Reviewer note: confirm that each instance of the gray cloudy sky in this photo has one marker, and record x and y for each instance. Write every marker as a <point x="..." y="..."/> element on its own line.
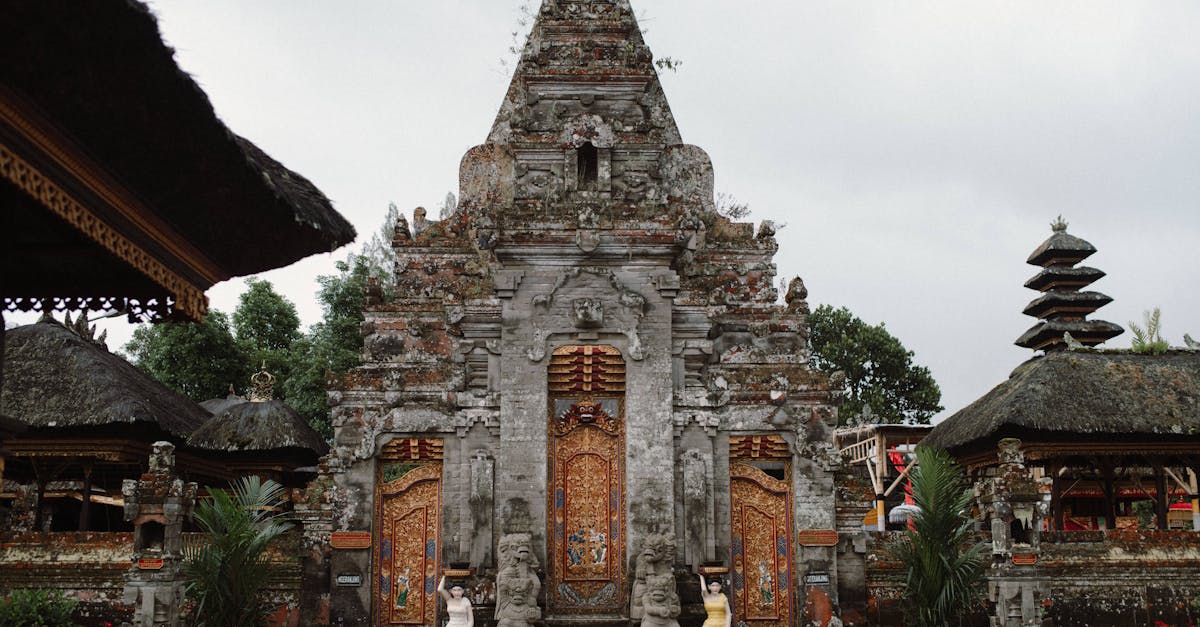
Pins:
<point x="916" y="150"/>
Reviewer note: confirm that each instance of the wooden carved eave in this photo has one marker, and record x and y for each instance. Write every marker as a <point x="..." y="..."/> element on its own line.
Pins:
<point x="129" y="452"/>
<point x="58" y="175"/>
<point x="121" y="451"/>
<point x="1050" y="452"/>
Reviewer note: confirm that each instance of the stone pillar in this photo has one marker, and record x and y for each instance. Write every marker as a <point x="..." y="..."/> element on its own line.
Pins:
<point x="157" y="505"/>
<point x="697" y="507"/>
<point x="481" y="502"/>
<point x="1017" y="584"/>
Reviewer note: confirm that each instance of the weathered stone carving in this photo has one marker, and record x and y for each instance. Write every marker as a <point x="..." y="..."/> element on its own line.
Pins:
<point x="633" y="304"/>
<point x="157" y="505"/>
<point x="517" y="585"/>
<point x="660" y="604"/>
<point x="588" y="313"/>
<point x="654" y="563"/>
<point x="419" y="222"/>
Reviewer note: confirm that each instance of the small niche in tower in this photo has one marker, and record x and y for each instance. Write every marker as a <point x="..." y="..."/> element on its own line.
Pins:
<point x="149" y="536"/>
<point x="589" y="167"/>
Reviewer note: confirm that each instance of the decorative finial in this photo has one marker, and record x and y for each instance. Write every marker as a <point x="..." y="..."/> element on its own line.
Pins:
<point x="263" y="385"/>
<point x="83" y="328"/>
<point x="1059" y="225"/>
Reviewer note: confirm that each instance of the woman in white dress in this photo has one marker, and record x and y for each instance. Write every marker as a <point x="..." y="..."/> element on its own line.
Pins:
<point x="458" y="606"/>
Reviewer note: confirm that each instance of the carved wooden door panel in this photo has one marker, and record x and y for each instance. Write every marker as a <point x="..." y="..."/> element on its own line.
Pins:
<point x="762" y="560"/>
<point x="408" y="524"/>
<point x="587" y="480"/>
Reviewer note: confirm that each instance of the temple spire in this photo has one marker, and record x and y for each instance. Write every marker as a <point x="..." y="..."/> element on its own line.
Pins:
<point x="1063" y="308"/>
<point x="584" y="59"/>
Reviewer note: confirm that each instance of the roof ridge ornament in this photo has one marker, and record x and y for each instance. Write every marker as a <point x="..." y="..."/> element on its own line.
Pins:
<point x="262" y="385"/>
<point x="1059" y="225"/>
<point x="81" y="327"/>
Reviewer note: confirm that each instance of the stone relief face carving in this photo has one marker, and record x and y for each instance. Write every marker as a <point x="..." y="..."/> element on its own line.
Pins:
<point x="589" y="218"/>
<point x="588" y="313"/>
<point x="544" y="184"/>
<point x="1010" y="451"/>
<point x="515" y="549"/>
<point x="627" y="318"/>
<point x="587" y="129"/>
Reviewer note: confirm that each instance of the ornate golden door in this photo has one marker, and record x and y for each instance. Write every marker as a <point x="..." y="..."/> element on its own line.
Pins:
<point x="587" y="479"/>
<point x="760" y="494"/>
<point x="408" y="522"/>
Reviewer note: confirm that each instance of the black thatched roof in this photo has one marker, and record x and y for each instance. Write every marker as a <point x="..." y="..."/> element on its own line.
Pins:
<point x="101" y="72"/>
<point x="1084" y="395"/>
<point x="218" y="406"/>
<point x="1062" y="247"/>
<point x="53" y="378"/>
<point x="256" y="426"/>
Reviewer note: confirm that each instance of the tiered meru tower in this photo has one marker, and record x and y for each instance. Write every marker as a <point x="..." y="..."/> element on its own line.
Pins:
<point x="586" y="353"/>
<point x="1063" y="309"/>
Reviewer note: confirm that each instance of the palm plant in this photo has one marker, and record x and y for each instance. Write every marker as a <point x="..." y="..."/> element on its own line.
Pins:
<point x="944" y="569"/>
<point x="227" y="568"/>
<point x="1148" y="340"/>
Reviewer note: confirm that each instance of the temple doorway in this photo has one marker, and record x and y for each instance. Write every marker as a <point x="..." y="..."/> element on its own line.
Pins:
<point x="586" y="547"/>
<point x="408" y="522"/>
<point x="760" y="493"/>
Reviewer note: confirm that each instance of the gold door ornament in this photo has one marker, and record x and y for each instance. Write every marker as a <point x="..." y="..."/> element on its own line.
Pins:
<point x="587" y="481"/>
<point x="762" y="553"/>
<point x="408" y="523"/>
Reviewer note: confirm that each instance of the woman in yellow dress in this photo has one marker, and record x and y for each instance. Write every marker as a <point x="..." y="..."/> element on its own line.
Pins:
<point x="715" y="604"/>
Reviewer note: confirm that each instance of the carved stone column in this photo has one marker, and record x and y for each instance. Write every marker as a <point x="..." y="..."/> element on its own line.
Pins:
<point x="1017" y="585"/>
<point x="157" y="505"/>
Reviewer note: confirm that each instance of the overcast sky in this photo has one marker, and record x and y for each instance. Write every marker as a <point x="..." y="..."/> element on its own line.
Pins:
<point x="917" y="151"/>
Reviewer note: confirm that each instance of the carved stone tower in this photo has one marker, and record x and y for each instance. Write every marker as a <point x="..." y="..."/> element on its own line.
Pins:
<point x="587" y="353"/>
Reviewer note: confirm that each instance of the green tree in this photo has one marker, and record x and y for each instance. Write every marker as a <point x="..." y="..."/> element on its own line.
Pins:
<point x="227" y="568"/>
<point x="944" y="569"/>
<point x="198" y="360"/>
<point x="335" y="344"/>
<point x="449" y="206"/>
<point x="332" y="345"/>
<point x="264" y="319"/>
<point x="267" y="326"/>
<point x="882" y="383"/>
<point x="378" y="250"/>
<point x="30" y="608"/>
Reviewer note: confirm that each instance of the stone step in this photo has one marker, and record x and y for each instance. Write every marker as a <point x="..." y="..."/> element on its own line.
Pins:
<point x="604" y="620"/>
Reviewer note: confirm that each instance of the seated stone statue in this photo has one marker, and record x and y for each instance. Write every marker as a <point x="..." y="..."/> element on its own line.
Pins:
<point x="657" y="558"/>
<point x="517" y="583"/>
<point x="660" y="603"/>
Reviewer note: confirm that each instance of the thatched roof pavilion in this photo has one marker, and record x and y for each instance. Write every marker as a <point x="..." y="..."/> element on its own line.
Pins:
<point x="1105" y="428"/>
<point x="1102" y="397"/>
<point x="264" y="437"/>
<point x="89" y="414"/>
<point x="119" y="186"/>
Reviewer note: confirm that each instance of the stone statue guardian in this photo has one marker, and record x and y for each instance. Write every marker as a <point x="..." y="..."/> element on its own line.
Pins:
<point x="517" y="583"/>
<point x="654" y="600"/>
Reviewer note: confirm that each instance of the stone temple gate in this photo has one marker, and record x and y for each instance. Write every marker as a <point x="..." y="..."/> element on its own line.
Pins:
<point x="587" y="353"/>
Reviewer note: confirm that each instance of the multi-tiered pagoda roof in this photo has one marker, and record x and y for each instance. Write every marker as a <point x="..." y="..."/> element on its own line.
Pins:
<point x="1063" y="308"/>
